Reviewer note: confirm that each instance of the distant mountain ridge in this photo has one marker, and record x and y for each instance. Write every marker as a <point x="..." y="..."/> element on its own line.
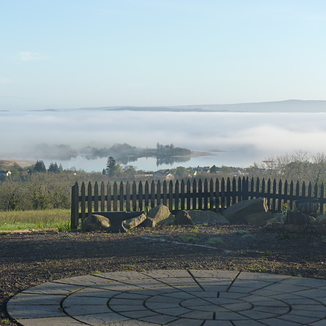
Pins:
<point x="276" y="106"/>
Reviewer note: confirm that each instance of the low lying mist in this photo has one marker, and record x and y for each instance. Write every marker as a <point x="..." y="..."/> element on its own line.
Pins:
<point x="250" y="136"/>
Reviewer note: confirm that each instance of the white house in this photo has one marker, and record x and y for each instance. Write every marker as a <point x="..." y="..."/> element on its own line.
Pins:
<point x="166" y="175"/>
<point x="4" y="173"/>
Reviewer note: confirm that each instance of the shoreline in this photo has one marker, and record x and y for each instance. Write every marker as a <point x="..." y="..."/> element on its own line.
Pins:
<point x="20" y="162"/>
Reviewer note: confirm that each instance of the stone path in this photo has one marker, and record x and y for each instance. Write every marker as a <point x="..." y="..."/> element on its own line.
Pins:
<point x="174" y="298"/>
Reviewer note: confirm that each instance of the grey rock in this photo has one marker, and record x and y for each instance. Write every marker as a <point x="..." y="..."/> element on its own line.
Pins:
<point x="95" y="222"/>
<point x="321" y="219"/>
<point x="307" y="206"/>
<point x="199" y="217"/>
<point x="298" y="218"/>
<point x="183" y="218"/>
<point x="259" y="219"/>
<point x="134" y="222"/>
<point x="237" y="213"/>
<point x="168" y="221"/>
<point x="156" y="216"/>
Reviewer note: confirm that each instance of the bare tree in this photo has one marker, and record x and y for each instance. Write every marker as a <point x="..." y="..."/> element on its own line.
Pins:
<point x="298" y="166"/>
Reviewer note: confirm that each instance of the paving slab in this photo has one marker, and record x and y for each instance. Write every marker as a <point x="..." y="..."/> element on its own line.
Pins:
<point x="174" y="298"/>
<point x="53" y="321"/>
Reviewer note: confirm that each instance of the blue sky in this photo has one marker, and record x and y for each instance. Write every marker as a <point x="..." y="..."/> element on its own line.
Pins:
<point x="58" y="54"/>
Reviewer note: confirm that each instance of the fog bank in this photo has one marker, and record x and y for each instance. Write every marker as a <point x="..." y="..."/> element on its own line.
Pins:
<point x="249" y="136"/>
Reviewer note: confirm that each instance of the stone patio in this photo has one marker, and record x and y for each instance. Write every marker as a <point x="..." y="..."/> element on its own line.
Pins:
<point x="175" y="298"/>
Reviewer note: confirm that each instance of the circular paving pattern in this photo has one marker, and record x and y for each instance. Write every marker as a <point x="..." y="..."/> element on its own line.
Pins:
<point x="173" y="297"/>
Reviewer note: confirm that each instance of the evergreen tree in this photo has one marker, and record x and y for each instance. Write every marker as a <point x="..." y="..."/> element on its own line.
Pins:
<point x="54" y="168"/>
<point x="213" y="169"/>
<point x="111" y="167"/>
<point x="39" y="167"/>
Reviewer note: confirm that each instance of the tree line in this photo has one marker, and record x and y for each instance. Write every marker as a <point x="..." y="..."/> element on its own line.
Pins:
<point x="37" y="187"/>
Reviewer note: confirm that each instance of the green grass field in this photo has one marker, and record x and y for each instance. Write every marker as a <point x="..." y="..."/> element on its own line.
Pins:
<point x="51" y="218"/>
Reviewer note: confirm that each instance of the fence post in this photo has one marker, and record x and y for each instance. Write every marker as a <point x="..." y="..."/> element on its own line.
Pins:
<point x="291" y="195"/>
<point x="200" y="194"/>
<point x="83" y="200"/>
<point x="303" y="193"/>
<point x="239" y="187"/>
<point x="188" y="194"/>
<point x="170" y="195"/>
<point x="285" y="191"/>
<point x="134" y="196"/>
<point x="212" y="205"/>
<point x="165" y="193"/>
<point x="140" y="196"/>
<point x="234" y="190"/>
<point x="96" y="196"/>
<point x="182" y="195"/>
<point x="146" y="195"/>
<point x="115" y="196"/>
<point x="245" y="188"/>
<point x="121" y="196"/>
<point x="89" y="199"/>
<point x="159" y="191"/>
<point x="217" y="198"/>
<point x="257" y="190"/>
<point x="102" y="196"/>
<point x="206" y="195"/>
<point x="108" y="203"/>
<point x="74" y="206"/>
<point x="176" y="197"/>
<point x="127" y="196"/>
<point x="322" y="190"/>
<point x="152" y="194"/>
<point x="279" y="195"/>
<point x="310" y="190"/>
<point x="194" y="194"/>
<point x="222" y="202"/>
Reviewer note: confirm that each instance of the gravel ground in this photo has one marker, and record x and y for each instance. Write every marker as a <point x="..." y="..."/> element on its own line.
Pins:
<point x="28" y="259"/>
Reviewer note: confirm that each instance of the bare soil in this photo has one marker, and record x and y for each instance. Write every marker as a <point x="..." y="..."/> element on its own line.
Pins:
<point x="28" y="259"/>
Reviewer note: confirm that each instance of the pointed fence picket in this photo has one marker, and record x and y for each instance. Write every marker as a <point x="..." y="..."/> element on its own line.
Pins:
<point x="213" y="194"/>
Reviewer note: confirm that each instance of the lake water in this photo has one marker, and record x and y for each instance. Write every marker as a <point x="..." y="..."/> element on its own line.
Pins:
<point x="150" y="164"/>
<point x="231" y="138"/>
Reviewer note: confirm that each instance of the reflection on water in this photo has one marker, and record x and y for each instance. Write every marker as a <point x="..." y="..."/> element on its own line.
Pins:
<point x="237" y="159"/>
<point x="127" y="159"/>
<point x="98" y="164"/>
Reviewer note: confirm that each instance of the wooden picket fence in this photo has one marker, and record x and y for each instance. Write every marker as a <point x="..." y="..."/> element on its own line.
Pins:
<point x="208" y="194"/>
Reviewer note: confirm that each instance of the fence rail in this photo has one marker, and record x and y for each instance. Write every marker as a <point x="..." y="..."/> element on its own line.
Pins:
<point x="208" y="194"/>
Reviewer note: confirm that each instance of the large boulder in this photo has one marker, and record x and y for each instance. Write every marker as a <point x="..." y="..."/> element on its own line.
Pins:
<point x="259" y="219"/>
<point x="156" y="216"/>
<point x="95" y="222"/>
<point x="118" y="218"/>
<point x="276" y="223"/>
<point x="298" y="218"/>
<point x="321" y="219"/>
<point x="168" y="221"/>
<point x="237" y="213"/>
<point x="133" y="222"/>
<point x="308" y="206"/>
<point x="199" y="217"/>
<point x="183" y="218"/>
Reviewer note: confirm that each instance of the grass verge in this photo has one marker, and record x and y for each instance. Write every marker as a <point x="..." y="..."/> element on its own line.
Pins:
<point x="20" y="220"/>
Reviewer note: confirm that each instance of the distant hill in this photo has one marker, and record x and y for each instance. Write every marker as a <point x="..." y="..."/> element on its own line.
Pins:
<point x="278" y="106"/>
